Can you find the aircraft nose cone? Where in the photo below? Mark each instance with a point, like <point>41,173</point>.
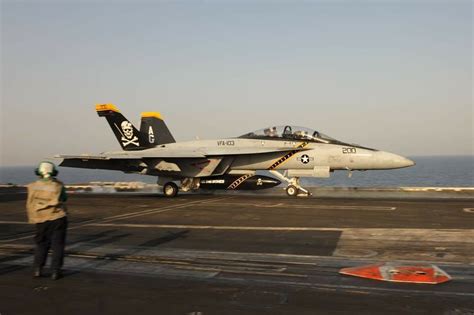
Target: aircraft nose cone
<point>403,161</point>
<point>409,162</point>
<point>391,160</point>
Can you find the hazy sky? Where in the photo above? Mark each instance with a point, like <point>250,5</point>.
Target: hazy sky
<point>394,75</point>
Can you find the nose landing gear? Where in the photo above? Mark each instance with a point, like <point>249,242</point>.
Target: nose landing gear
<point>294,188</point>
<point>291,191</point>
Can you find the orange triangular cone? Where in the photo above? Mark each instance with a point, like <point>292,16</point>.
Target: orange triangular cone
<point>396,272</point>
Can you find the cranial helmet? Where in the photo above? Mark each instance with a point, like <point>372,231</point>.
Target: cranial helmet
<point>46,169</point>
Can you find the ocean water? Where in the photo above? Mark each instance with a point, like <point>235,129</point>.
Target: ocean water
<point>429,171</point>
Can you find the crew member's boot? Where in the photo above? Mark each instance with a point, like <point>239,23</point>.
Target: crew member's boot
<point>57,274</point>
<point>37,272</point>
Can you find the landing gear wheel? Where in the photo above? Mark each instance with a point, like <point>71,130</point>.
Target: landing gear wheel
<point>170,189</point>
<point>292,191</point>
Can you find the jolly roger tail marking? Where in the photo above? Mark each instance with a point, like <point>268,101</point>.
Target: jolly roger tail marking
<point>133,141</point>
<point>127,134</point>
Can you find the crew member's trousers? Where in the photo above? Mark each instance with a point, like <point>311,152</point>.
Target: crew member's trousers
<point>50,234</point>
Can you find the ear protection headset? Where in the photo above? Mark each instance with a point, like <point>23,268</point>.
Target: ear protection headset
<point>46,168</point>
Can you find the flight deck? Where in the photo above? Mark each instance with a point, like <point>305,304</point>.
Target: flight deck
<point>240,254</point>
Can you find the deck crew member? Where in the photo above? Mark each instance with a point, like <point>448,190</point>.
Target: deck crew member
<point>47,210</point>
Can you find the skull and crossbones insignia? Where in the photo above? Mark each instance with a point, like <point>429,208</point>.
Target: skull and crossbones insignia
<point>128,137</point>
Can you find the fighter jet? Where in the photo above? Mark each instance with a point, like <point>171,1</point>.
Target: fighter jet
<point>287,152</point>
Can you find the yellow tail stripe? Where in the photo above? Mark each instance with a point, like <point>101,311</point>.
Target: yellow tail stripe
<point>152,114</point>
<point>104,107</point>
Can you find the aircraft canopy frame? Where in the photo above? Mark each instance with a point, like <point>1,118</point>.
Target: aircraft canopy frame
<point>289,132</point>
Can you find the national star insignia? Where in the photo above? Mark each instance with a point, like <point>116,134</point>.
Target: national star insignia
<point>305,159</point>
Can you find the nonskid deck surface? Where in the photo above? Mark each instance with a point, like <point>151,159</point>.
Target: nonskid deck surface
<point>220,254</point>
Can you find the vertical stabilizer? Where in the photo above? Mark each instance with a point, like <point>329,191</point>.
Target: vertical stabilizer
<point>154,129</point>
<point>127,135</point>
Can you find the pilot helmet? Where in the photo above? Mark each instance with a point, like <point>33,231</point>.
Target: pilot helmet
<point>300,133</point>
<point>46,170</point>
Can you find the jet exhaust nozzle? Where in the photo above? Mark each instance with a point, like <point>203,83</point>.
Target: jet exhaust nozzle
<point>239,182</point>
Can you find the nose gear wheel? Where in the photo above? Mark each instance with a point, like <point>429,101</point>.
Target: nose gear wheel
<point>291,191</point>
<point>294,188</point>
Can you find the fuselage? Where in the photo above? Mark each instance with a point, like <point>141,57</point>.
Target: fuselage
<point>293,154</point>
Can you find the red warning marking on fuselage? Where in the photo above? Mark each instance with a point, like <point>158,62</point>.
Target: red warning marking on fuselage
<point>287,156</point>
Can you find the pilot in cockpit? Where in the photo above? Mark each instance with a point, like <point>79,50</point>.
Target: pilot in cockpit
<point>300,134</point>
<point>270,132</point>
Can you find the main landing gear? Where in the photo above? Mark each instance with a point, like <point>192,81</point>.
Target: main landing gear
<point>170,189</point>
<point>294,188</point>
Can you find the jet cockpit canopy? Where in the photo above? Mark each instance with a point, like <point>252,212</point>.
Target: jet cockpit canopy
<point>290,133</point>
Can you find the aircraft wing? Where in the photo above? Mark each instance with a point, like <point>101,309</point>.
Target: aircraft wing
<point>91,157</point>
<point>243,150</point>
<point>165,154</point>
<point>157,161</point>
<point>128,161</point>
<point>158,153</point>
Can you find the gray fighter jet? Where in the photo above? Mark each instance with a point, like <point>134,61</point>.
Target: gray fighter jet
<point>287,152</point>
